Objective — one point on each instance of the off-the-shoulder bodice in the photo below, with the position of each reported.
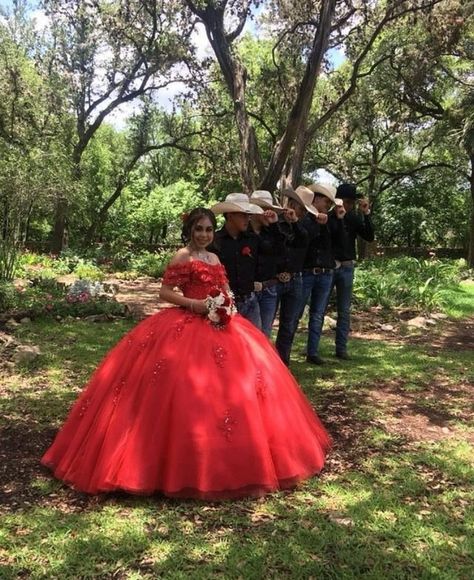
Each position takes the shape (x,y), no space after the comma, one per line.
(195,278)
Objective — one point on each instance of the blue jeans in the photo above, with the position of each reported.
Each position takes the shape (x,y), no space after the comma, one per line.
(268,301)
(316,289)
(343,282)
(289,298)
(250,309)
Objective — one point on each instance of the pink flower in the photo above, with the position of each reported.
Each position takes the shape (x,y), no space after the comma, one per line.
(84,296)
(246,251)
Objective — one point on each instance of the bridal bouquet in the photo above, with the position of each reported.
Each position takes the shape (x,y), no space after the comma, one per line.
(220,306)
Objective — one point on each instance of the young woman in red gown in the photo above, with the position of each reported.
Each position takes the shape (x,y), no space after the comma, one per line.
(186,408)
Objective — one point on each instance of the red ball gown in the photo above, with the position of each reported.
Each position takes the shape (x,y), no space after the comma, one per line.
(188,409)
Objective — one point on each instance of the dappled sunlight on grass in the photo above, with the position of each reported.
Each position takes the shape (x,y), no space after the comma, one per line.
(385,507)
(458,301)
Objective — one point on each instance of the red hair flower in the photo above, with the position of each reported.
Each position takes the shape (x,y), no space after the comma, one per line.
(246,251)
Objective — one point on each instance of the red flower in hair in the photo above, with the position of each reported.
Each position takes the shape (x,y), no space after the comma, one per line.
(184,216)
(246,251)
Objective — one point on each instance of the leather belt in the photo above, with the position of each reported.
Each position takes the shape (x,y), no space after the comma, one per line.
(319,270)
(340,263)
(284,277)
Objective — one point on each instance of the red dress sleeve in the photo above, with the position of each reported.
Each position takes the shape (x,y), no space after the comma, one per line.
(176,275)
(221,275)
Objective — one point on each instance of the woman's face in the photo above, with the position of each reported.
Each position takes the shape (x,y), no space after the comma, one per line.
(202,233)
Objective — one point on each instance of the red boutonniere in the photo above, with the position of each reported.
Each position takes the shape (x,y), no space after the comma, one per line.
(246,251)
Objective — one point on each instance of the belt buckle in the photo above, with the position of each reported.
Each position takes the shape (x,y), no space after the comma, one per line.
(284,277)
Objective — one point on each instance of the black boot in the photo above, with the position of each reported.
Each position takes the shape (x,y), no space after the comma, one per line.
(314,359)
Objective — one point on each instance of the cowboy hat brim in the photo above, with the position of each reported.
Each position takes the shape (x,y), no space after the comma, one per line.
(265,205)
(228,207)
(291,193)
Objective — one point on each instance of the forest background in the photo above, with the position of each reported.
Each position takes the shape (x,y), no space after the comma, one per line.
(117,117)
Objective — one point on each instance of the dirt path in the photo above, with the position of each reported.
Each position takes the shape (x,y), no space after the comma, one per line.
(141,296)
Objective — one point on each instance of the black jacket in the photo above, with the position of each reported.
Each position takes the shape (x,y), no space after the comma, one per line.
(294,246)
(272,246)
(320,253)
(354,224)
(239,257)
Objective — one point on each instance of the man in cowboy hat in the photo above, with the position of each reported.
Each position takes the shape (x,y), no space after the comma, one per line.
(266,227)
(238,250)
(355,224)
(319,265)
(290,265)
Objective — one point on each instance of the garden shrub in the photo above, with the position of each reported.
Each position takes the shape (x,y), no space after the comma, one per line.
(405,282)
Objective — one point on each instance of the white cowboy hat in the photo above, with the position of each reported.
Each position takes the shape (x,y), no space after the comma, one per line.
(236,202)
(327,190)
(303,196)
(265,200)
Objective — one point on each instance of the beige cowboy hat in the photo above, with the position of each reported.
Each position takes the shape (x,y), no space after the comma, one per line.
(265,200)
(327,190)
(236,202)
(303,196)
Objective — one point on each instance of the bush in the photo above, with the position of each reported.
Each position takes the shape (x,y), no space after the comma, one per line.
(83,298)
(88,271)
(8,296)
(31,265)
(405,282)
(151,264)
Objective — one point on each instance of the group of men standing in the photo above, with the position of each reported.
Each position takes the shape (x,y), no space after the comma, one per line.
(283,257)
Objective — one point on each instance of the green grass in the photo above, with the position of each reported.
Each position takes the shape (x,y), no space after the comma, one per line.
(458,301)
(386,507)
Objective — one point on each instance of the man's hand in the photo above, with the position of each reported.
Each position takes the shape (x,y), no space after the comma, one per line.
(364,206)
(271,216)
(321,218)
(290,215)
(340,211)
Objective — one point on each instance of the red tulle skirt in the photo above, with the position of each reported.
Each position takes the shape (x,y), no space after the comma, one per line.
(183,408)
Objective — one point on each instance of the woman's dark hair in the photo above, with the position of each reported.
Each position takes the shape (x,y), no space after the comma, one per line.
(194,216)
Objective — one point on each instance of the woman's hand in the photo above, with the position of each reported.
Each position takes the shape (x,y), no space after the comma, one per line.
(198,306)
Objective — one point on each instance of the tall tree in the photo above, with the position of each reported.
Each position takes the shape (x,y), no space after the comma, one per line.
(108,54)
(311,29)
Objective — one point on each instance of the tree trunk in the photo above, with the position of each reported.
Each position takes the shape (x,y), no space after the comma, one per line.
(296,166)
(298,119)
(471,225)
(247,145)
(235,76)
(59,238)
